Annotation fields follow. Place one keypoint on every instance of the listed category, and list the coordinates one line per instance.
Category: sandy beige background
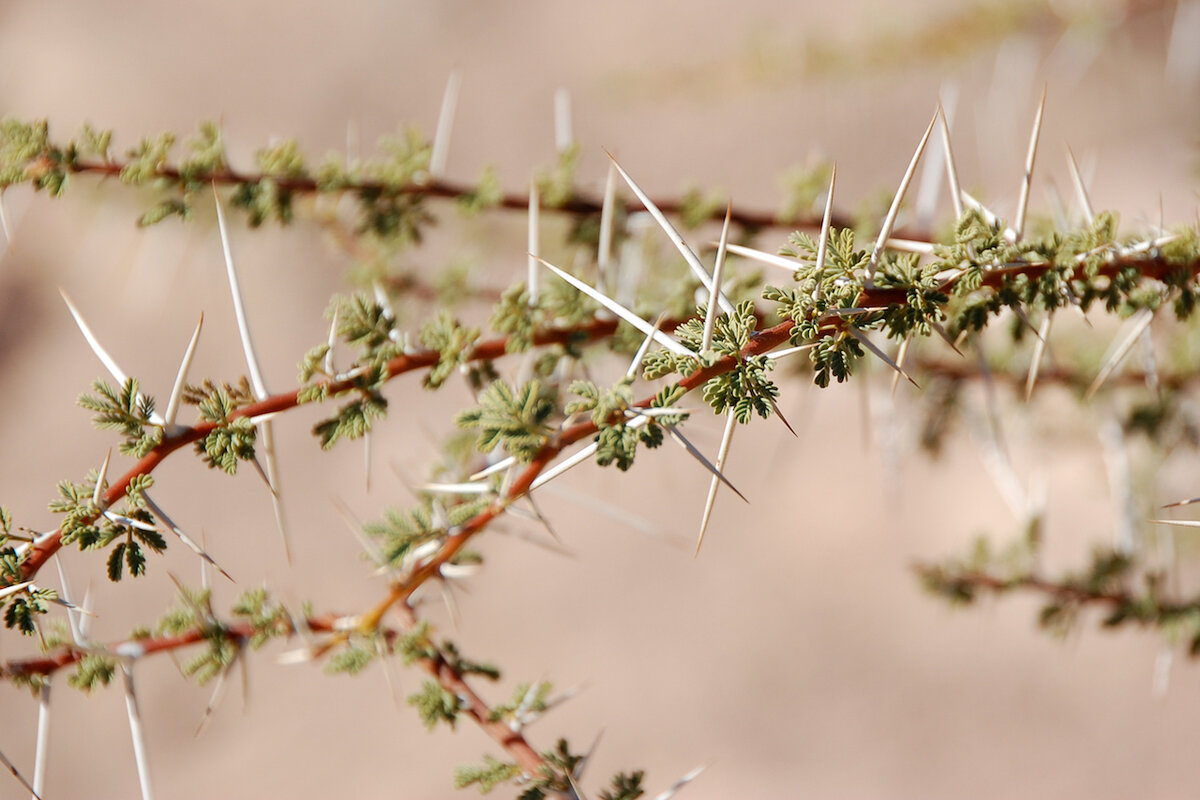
(797, 656)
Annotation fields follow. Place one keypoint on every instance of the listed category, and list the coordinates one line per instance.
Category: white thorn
(710, 318)
(722, 452)
(695, 453)
(157, 511)
(901, 357)
(109, 363)
(1027, 179)
(16, 773)
(181, 378)
(882, 356)
(911, 246)
(889, 221)
(1134, 327)
(333, 325)
(604, 256)
(633, 319)
(684, 781)
(826, 221)
(239, 308)
(951, 170)
(1039, 350)
(68, 595)
(763, 257)
(98, 492)
(640, 355)
(531, 282)
(563, 135)
(693, 261)
(41, 750)
(567, 463)
(1081, 192)
(445, 126)
(136, 731)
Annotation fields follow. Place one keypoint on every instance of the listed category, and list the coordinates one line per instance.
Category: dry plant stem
(512, 741)
(579, 204)
(1151, 266)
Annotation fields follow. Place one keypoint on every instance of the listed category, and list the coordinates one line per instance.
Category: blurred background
(797, 655)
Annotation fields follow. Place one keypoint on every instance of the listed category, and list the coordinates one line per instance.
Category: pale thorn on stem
(911, 246)
(256, 377)
(181, 379)
(16, 773)
(889, 222)
(633, 319)
(882, 356)
(564, 136)
(988, 215)
(695, 453)
(333, 327)
(1134, 328)
(710, 318)
(684, 781)
(1018, 228)
(534, 242)
(693, 261)
(1179, 523)
(4, 226)
(41, 749)
(72, 613)
(101, 480)
(604, 249)
(107, 360)
(445, 126)
(787, 351)
(710, 500)
(930, 185)
(1039, 351)
(826, 222)
(951, 169)
(1081, 192)
(136, 731)
(191, 544)
(901, 357)
(567, 463)
(763, 257)
(640, 355)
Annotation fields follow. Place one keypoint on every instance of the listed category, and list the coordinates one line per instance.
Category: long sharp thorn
(101, 478)
(684, 781)
(68, 595)
(1081, 192)
(136, 731)
(214, 699)
(445, 126)
(826, 221)
(604, 251)
(710, 318)
(1027, 179)
(889, 221)
(533, 276)
(333, 328)
(1178, 523)
(239, 306)
(1039, 350)
(695, 453)
(882, 356)
(563, 466)
(633, 319)
(4, 226)
(181, 378)
(951, 170)
(16, 773)
(1136, 324)
(256, 378)
(901, 356)
(41, 750)
(564, 137)
(640, 355)
(190, 543)
(693, 261)
(710, 500)
(577, 773)
(783, 262)
(107, 360)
